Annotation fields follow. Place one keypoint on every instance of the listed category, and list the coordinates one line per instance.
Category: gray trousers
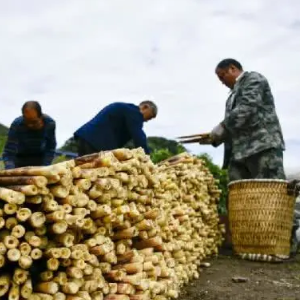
(267, 164)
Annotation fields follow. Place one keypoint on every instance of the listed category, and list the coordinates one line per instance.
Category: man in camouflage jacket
(250, 131)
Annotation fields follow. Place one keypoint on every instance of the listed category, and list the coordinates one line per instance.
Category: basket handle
(293, 188)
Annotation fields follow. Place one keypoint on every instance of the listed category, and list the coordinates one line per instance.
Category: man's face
(32, 120)
(227, 76)
(147, 113)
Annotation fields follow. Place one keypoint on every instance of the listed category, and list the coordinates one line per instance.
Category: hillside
(3, 130)
(3, 134)
(155, 143)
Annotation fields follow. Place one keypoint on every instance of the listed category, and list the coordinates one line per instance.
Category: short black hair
(152, 105)
(34, 105)
(227, 62)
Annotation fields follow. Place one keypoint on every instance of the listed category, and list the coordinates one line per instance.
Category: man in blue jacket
(114, 126)
(31, 139)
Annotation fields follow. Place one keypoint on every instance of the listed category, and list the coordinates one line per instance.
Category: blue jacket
(113, 127)
(22, 142)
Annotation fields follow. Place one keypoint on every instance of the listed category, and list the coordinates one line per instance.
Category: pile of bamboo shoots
(192, 231)
(110, 225)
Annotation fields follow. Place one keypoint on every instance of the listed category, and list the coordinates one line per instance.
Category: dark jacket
(113, 127)
(23, 142)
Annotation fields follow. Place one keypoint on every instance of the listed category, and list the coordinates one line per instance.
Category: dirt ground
(265, 281)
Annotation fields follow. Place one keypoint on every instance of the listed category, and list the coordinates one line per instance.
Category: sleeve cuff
(9, 166)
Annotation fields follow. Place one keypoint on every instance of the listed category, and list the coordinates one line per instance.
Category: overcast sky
(76, 56)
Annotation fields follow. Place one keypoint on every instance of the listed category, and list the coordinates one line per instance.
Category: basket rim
(258, 180)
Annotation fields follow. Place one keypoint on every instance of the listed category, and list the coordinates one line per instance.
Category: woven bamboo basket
(261, 217)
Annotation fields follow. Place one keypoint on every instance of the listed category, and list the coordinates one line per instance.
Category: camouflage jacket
(250, 119)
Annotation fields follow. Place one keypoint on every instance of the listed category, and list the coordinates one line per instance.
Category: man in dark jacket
(114, 126)
(31, 139)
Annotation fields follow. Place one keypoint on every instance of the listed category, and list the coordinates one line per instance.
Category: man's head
(148, 109)
(32, 114)
(228, 70)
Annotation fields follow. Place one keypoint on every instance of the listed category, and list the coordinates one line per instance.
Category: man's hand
(218, 133)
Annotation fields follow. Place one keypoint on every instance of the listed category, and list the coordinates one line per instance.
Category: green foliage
(221, 176)
(2, 143)
(157, 143)
(154, 143)
(70, 145)
(160, 155)
(3, 137)
(3, 130)
(160, 143)
(59, 159)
